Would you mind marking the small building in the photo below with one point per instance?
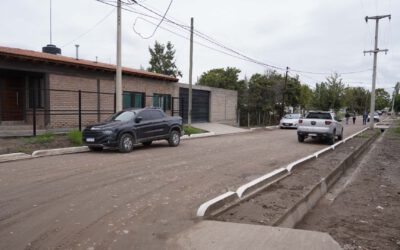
(57, 90)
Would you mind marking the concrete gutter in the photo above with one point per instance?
(297, 212)
(212, 207)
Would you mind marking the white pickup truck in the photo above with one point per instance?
(320, 124)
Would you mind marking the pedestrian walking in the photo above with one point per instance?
(347, 115)
(354, 118)
(365, 116)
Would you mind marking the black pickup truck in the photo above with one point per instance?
(126, 128)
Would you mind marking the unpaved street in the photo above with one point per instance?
(132, 201)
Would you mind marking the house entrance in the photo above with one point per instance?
(12, 95)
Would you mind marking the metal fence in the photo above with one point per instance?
(62, 108)
(257, 117)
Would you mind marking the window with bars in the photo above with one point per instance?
(133, 100)
(162, 101)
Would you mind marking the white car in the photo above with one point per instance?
(320, 124)
(290, 121)
(376, 117)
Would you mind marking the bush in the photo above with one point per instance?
(40, 139)
(189, 130)
(75, 137)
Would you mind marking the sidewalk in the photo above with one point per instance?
(234, 236)
(219, 129)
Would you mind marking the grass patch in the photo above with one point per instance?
(189, 130)
(75, 137)
(394, 132)
(41, 139)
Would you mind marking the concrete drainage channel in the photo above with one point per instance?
(270, 190)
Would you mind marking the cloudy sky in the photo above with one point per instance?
(320, 37)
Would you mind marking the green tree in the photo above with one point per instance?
(356, 98)
(329, 95)
(397, 103)
(226, 79)
(305, 97)
(162, 60)
(382, 99)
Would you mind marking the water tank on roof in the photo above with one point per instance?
(51, 49)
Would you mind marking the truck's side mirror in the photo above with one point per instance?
(138, 119)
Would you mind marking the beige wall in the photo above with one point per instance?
(223, 103)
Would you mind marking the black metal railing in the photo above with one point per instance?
(77, 108)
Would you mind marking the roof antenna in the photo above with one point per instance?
(51, 48)
(51, 40)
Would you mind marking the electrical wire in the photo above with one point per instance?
(89, 30)
(157, 26)
(221, 45)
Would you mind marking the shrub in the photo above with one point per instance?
(75, 137)
(189, 130)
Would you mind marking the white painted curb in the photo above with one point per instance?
(260, 182)
(14, 156)
(293, 164)
(217, 202)
(59, 151)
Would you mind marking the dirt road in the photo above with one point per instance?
(132, 201)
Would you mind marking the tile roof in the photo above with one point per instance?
(59, 59)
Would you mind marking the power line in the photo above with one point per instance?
(89, 30)
(219, 44)
(157, 26)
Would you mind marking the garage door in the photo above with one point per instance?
(200, 105)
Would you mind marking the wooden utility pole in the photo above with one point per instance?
(190, 72)
(118, 77)
(375, 52)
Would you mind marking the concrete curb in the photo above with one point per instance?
(217, 204)
(59, 151)
(14, 157)
(260, 183)
(296, 213)
(253, 187)
(185, 137)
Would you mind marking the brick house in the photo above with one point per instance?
(48, 85)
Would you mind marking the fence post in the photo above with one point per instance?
(172, 106)
(80, 109)
(34, 110)
(115, 102)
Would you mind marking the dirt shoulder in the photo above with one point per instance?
(365, 214)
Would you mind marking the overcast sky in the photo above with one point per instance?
(314, 36)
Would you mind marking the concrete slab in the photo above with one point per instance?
(219, 129)
(225, 235)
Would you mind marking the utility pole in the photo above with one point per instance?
(190, 72)
(118, 77)
(375, 51)
(395, 91)
(283, 93)
(77, 51)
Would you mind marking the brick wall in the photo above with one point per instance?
(60, 100)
